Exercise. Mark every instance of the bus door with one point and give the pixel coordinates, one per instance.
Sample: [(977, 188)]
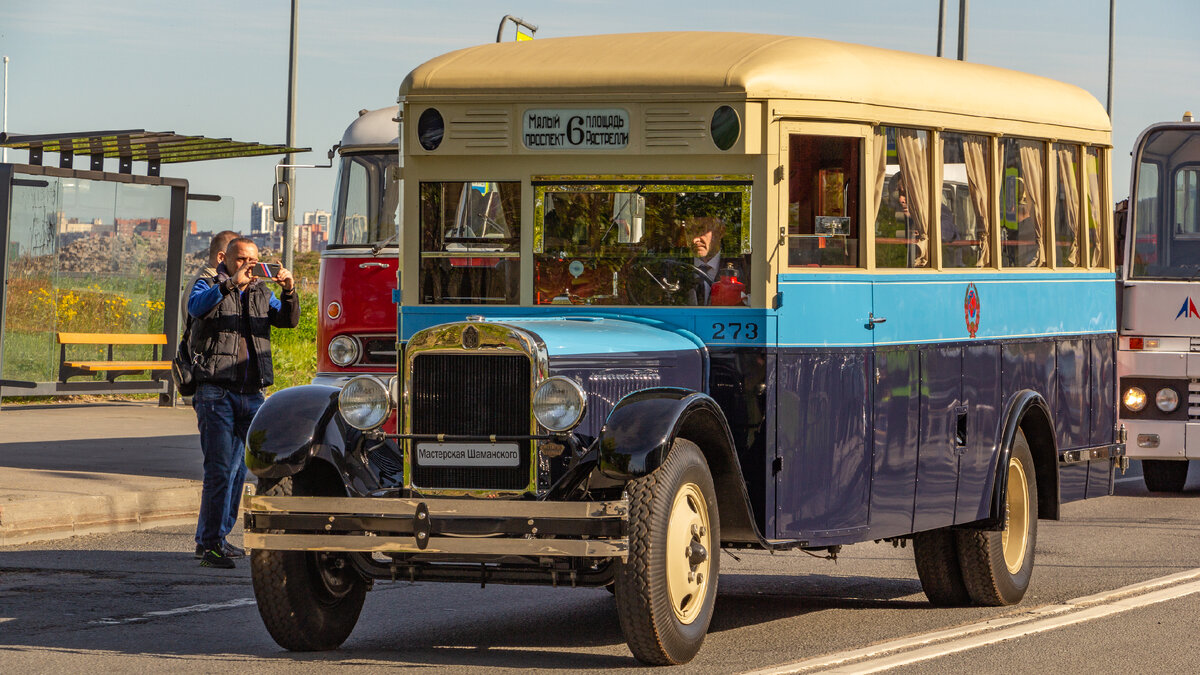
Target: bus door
[(822, 467)]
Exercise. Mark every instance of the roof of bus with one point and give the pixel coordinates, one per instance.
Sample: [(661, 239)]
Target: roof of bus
[(757, 67), (373, 128)]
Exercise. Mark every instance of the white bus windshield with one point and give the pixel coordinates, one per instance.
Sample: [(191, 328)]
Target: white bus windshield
[(1166, 242), (366, 202)]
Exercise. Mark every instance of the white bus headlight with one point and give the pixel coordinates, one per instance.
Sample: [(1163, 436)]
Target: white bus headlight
[(559, 403), (1134, 399), (343, 350), (365, 402), (1167, 399)]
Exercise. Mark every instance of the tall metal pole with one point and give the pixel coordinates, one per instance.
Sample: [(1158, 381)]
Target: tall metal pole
[(962, 30), (289, 234), (1112, 12), (941, 25), (4, 122)]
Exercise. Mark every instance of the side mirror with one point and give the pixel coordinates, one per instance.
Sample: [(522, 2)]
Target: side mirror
[(281, 195)]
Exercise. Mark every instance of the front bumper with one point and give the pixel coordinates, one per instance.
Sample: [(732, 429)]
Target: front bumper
[(466, 528)]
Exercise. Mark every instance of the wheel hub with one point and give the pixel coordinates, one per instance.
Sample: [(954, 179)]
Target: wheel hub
[(1015, 537), (687, 545)]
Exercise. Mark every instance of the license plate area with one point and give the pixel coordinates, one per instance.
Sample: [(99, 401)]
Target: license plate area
[(470, 455)]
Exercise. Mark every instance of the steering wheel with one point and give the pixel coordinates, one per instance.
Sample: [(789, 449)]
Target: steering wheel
[(668, 282)]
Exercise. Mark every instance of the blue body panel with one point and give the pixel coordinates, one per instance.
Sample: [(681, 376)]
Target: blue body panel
[(847, 430)]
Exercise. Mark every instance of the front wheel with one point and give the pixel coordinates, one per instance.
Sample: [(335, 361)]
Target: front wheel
[(1164, 475), (996, 566), (308, 601), (666, 590)]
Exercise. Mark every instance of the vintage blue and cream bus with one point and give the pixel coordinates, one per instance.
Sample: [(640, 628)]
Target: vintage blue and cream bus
[(1160, 322), (668, 293)]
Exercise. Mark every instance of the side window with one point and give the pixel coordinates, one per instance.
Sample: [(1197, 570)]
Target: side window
[(823, 189), (470, 243), (965, 215), (1187, 220), (1145, 243), (1099, 214), (1023, 201), (1065, 165), (902, 197)]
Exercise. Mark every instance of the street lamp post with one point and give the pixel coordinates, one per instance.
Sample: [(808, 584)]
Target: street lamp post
[(4, 122), (289, 236)]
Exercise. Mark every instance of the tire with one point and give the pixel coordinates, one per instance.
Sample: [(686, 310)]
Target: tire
[(308, 601), (996, 566), (1164, 475), (936, 554), (666, 591)]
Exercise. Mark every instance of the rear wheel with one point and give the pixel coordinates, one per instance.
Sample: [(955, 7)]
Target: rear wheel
[(996, 566), (309, 601), (666, 590), (936, 554), (1164, 475)]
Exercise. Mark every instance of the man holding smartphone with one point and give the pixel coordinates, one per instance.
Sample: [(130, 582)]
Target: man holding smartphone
[(232, 315)]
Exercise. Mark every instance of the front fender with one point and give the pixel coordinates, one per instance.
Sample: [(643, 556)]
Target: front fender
[(640, 430), (288, 429)]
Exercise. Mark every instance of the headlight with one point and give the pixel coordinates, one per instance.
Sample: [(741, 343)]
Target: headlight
[(1167, 399), (365, 402), (343, 350), (559, 403), (1134, 399)]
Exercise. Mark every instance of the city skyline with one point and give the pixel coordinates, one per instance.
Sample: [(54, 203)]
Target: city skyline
[(229, 54)]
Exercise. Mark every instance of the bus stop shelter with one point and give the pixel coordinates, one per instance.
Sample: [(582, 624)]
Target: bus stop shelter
[(92, 261)]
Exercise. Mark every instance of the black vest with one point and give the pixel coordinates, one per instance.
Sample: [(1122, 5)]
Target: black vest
[(216, 338)]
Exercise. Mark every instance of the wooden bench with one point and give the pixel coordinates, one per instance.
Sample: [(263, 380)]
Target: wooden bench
[(113, 368)]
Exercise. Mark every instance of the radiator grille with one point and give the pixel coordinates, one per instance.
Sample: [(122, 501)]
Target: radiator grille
[(378, 350), (1193, 400), (477, 395)]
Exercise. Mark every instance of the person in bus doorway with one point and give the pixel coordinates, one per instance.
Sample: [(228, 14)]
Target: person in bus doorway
[(231, 336), (704, 235)]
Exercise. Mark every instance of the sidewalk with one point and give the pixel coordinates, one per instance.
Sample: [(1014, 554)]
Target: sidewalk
[(96, 467)]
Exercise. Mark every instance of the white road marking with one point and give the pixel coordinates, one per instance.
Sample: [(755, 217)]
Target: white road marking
[(932, 645), (190, 609)]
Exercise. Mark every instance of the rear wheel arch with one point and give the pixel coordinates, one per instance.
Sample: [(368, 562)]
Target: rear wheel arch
[(1039, 433)]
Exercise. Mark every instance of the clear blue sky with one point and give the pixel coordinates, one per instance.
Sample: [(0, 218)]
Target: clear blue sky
[(219, 68)]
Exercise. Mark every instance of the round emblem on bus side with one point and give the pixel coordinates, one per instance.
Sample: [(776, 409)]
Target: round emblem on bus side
[(971, 309), (470, 338)]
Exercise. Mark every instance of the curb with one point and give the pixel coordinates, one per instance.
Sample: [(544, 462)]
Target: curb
[(30, 521)]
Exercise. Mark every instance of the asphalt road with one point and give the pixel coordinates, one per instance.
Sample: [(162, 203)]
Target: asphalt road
[(139, 602)]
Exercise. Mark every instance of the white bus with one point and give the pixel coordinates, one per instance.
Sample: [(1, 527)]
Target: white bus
[(1158, 361)]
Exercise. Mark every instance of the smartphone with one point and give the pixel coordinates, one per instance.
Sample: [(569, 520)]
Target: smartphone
[(268, 270)]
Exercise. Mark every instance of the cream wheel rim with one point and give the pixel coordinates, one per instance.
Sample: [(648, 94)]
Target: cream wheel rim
[(1016, 522), (689, 549)]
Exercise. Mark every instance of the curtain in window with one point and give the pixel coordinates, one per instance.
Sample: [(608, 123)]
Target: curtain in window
[(1031, 171), (879, 148), (975, 157), (1068, 183), (912, 150), (1095, 219)]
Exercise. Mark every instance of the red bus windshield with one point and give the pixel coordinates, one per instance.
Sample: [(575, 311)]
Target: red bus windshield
[(366, 202)]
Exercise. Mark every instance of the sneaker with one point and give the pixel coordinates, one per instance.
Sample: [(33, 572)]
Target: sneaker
[(214, 558), (227, 548)]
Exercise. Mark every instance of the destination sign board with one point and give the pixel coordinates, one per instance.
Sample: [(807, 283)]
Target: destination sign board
[(575, 129)]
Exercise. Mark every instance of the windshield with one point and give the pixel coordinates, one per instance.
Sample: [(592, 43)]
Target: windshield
[(365, 201), (671, 243), (1166, 243)]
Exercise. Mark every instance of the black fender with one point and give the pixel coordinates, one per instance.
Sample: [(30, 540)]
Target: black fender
[(299, 424), (640, 430), (1026, 410)]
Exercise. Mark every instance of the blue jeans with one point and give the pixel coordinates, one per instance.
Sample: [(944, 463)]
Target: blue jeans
[(223, 417)]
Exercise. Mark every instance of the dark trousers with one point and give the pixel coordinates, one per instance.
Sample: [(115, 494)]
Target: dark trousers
[(223, 418)]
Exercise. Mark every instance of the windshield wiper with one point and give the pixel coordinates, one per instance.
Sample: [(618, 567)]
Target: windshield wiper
[(378, 246)]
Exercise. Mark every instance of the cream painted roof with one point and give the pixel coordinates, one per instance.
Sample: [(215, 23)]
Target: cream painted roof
[(756, 67)]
